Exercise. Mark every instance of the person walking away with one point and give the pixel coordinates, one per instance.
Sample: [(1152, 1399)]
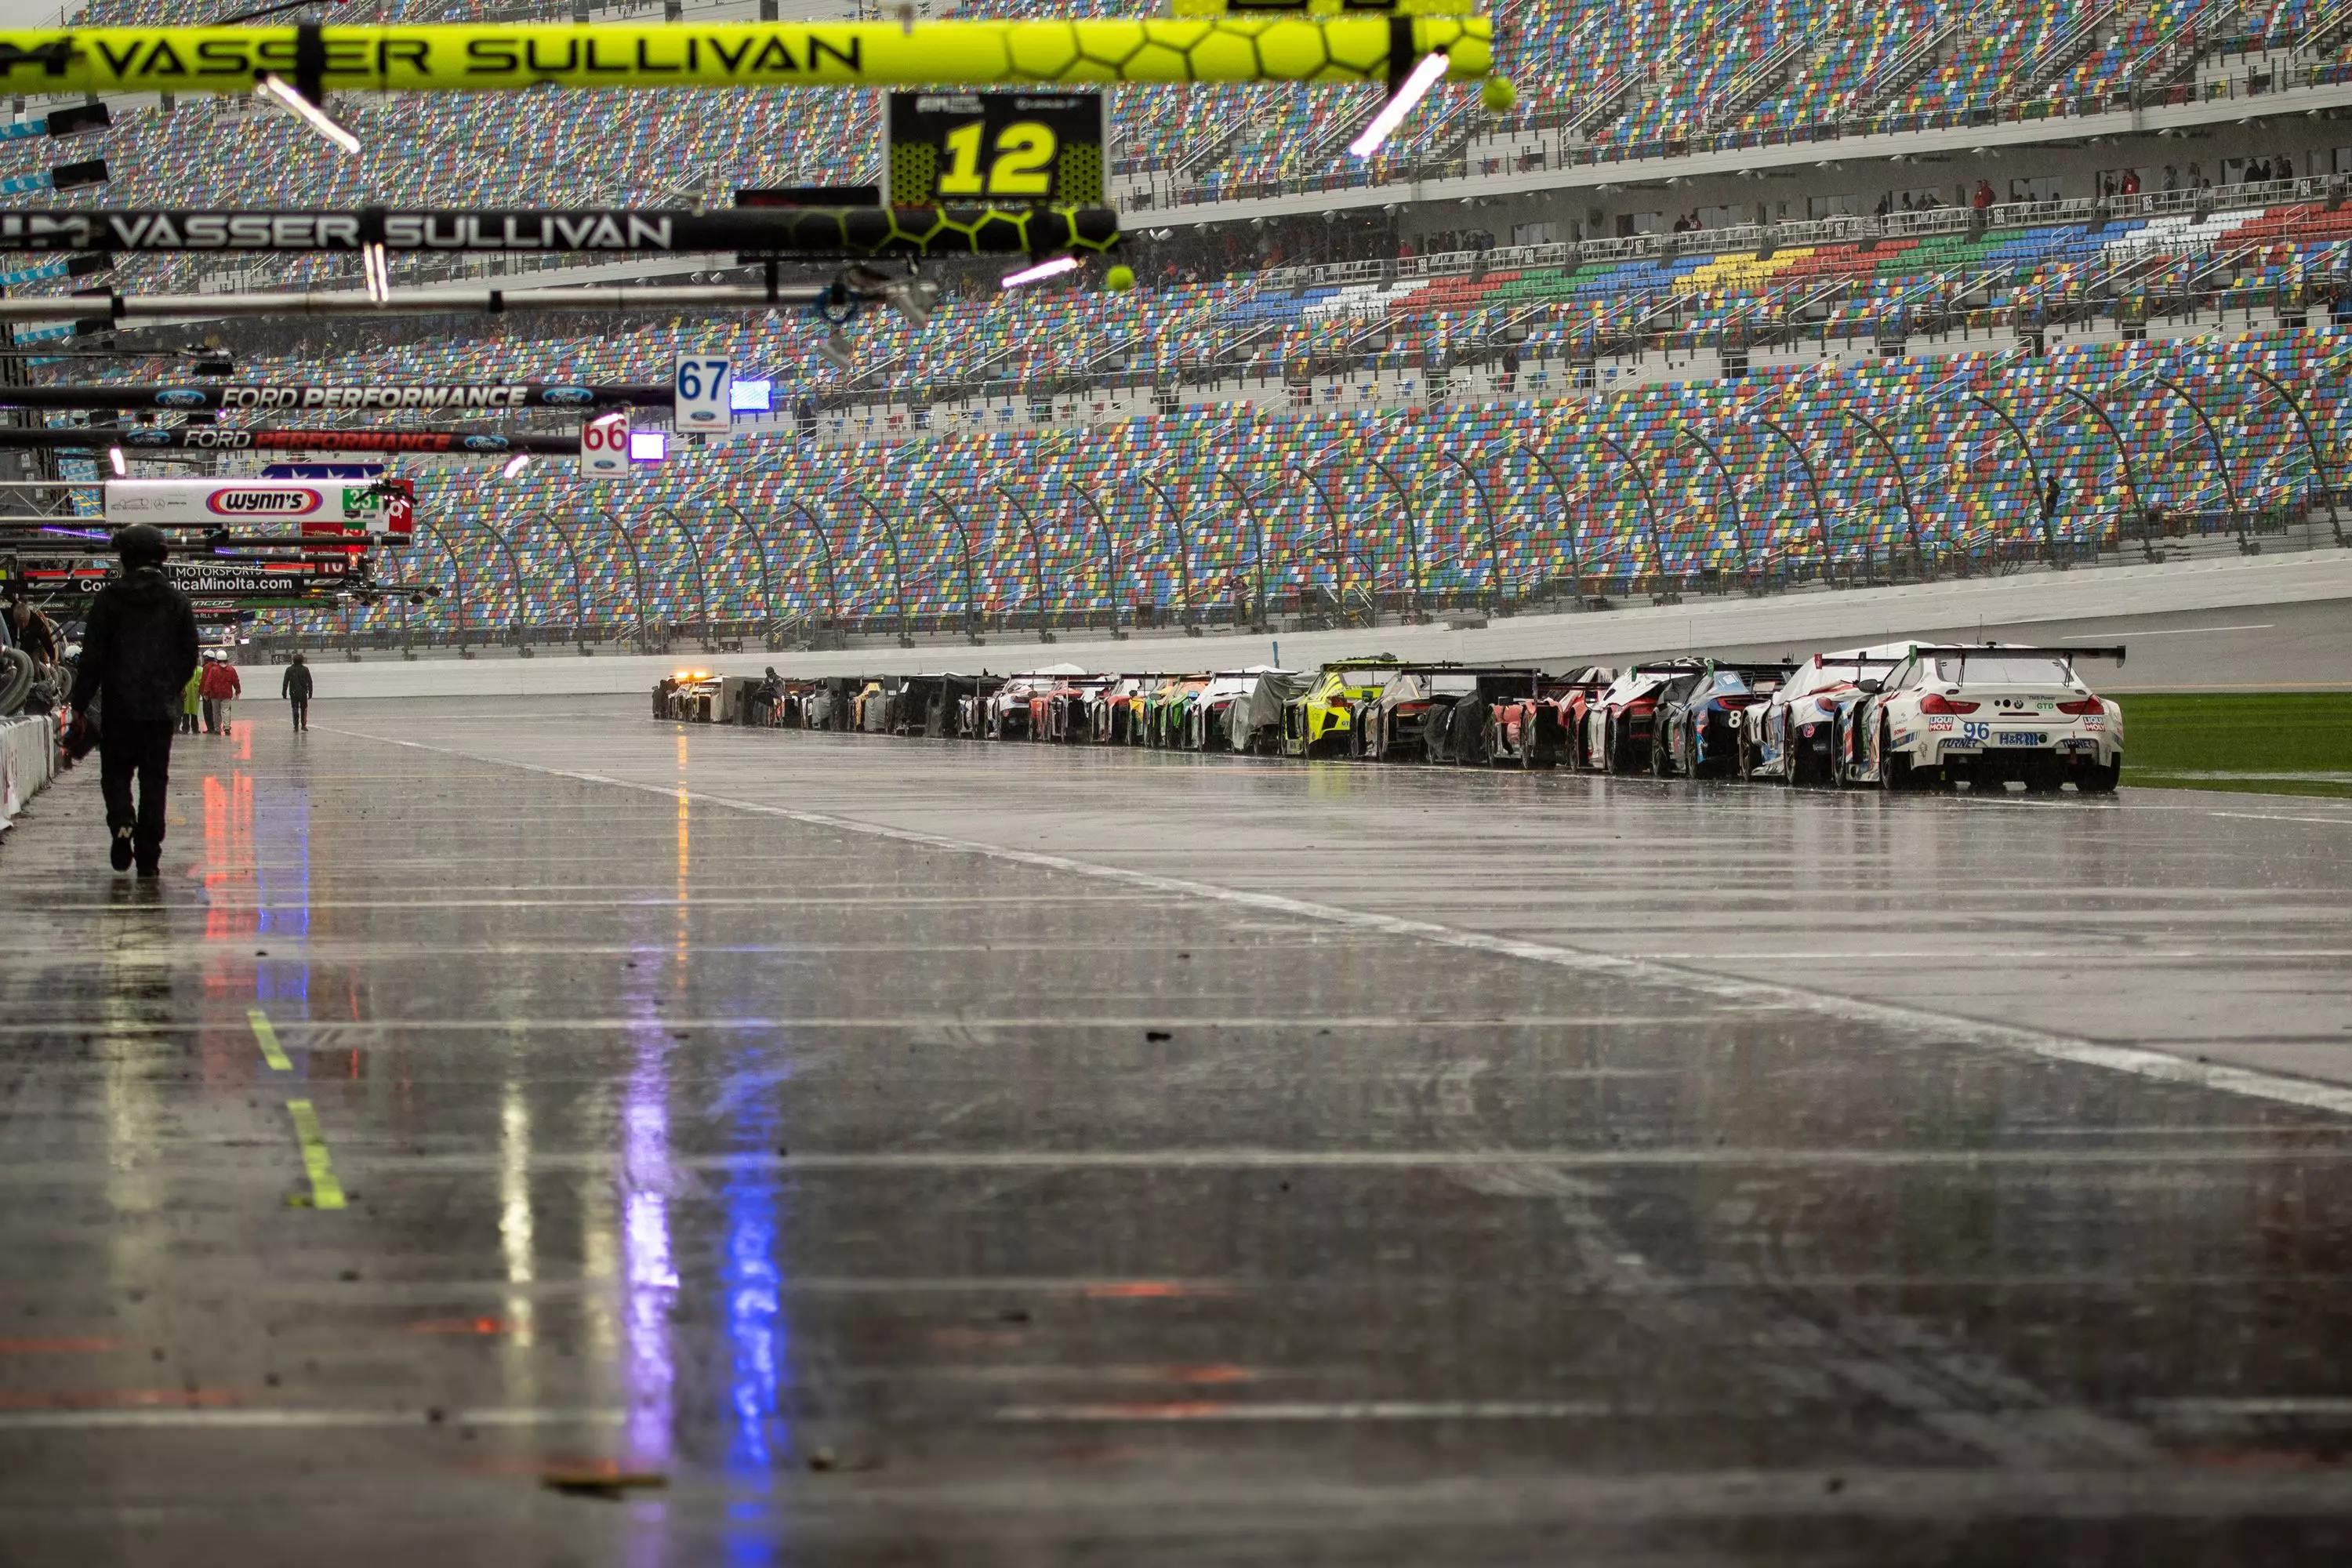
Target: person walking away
[(192, 699), (220, 688), (296, 690), (137, 650)]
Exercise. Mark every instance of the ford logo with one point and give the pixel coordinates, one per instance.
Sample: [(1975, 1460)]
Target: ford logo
[(146, 438), (485, 443), (566, 396), (181, 397)]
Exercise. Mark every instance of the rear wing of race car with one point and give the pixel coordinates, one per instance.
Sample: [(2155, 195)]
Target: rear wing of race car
[(2025, 650)]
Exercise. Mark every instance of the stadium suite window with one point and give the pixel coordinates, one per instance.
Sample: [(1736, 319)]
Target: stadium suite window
[(2034, 188)]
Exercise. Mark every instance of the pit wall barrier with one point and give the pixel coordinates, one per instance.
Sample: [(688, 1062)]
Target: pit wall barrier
[(29, 751)]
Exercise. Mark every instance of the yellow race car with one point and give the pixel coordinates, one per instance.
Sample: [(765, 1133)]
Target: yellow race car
[(1321, 721)]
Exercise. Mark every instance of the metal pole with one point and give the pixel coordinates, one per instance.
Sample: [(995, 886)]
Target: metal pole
[(702, 574), (636, 572)]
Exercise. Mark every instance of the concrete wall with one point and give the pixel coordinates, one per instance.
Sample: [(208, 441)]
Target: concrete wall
[(1803, 621)]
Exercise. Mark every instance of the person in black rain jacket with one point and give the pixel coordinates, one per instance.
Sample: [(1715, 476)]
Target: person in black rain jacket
[(296, 690), (138, 649)]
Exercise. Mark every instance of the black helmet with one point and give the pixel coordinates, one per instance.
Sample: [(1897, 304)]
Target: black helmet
[(142, 545)]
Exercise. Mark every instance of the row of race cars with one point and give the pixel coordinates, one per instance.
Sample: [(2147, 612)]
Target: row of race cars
[(1900, 715)]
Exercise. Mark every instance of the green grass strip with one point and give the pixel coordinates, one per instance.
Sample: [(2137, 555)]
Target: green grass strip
[(2183, 740)]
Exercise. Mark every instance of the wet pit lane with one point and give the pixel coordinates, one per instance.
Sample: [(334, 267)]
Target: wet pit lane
[(769, 1148)]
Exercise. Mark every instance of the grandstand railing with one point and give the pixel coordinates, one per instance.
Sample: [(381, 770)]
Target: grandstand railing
[(2254, 82)]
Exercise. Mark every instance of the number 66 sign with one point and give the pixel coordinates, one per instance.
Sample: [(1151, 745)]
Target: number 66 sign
[(604, 447)]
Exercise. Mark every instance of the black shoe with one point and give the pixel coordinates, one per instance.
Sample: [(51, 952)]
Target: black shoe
[(119, 852), (152, 869)]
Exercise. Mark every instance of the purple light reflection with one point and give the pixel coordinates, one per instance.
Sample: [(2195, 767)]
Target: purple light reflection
[(651, 1279)]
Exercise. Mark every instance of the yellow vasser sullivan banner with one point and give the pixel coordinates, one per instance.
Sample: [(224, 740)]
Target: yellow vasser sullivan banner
[(1252, 46), (796, 231)]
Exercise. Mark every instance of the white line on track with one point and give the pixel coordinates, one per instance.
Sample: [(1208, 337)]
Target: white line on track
[(216, 1419), (2049, 1047), (2173, 632)]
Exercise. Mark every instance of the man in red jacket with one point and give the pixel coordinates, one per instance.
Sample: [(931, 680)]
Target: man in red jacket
[(219, 687)]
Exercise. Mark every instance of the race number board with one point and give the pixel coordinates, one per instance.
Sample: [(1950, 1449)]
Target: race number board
[(605, 448), (702, 383), (1003, 149)]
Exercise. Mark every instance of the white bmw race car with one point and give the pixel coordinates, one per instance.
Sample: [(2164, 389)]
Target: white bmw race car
[(1983, 715), (1796, 735)]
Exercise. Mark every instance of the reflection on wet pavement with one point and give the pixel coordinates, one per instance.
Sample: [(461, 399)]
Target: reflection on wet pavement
[(789, 1193)]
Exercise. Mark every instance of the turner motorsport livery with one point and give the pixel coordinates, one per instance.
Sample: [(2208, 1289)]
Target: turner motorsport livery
[(822, 231), (301, 395), (1323, 42)]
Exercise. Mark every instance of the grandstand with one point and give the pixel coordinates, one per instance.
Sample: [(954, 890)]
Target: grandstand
[(1588, 404)]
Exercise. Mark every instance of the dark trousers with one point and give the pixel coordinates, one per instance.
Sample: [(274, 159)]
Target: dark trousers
[(301, 712), (141, 746)]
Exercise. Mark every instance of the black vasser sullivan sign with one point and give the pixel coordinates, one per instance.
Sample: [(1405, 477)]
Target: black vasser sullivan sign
[(999, 148), (844, 230), (388, 397)]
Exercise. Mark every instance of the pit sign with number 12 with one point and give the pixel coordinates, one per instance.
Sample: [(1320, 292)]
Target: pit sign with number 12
[(702, 388)]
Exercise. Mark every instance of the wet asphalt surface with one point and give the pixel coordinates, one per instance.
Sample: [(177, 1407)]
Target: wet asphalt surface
[(770, 1148)]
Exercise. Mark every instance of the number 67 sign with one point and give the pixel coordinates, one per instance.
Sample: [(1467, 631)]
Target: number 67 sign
[(604, 447), (702, 388)]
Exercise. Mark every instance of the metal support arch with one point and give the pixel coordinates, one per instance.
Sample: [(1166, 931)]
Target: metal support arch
[(1184, 550), (2311, 444), (2123, 451), (832, 569), (2220, 458), (1495, 594), (514, 560), (971, 576), (1902, 485), (1812, 487), (701, 573), (898, 563), (1110, 547), (1575, 529), (1731, 496), (579, 579), (457, 575), (2033, 466), (1257, 521), (1037, 554), (1337, 521), (1649, 505), (767, 582), (1412, 539)]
